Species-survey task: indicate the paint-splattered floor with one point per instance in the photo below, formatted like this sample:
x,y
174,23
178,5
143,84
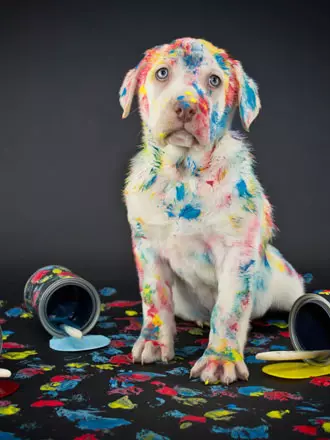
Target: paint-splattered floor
x,y
99,394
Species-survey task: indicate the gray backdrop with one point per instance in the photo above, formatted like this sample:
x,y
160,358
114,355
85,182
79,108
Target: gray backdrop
x,y
64,149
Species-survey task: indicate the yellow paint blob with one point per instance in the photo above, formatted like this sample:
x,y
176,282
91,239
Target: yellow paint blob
x,y
326,427
102,307
131,312
142,90
57,270
185,425
52,386
9,410
219,414
190,401
296,370
47,367
104,366
122,403
277,414
17,355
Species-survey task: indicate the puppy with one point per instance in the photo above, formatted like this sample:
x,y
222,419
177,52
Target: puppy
x,y
201,223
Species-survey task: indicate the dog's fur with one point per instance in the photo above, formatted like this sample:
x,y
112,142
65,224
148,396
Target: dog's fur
x,y
201,223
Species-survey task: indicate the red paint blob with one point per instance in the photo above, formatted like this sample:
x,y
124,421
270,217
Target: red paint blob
x,y
7,387
42,403
122,304
285,334
12,345
305,429
282,396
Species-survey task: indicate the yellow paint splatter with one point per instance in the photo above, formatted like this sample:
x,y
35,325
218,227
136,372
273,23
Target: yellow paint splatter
x,y
122,403
280,324
324,292
17,355
46,367
57,270
104,366
142,90
157,322
27,315
277,414
219,414
257,394
102,307
326,426
77,364
131,312
185,425
196,331
190,401
162,135
9,410
51,386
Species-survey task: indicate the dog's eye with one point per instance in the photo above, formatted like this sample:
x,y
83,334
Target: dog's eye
x,y
214,81
162,74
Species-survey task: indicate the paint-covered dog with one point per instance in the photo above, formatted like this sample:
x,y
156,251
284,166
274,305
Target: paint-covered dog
x,y
201,223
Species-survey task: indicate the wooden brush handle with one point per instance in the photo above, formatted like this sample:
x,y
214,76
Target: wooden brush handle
x,y
291,355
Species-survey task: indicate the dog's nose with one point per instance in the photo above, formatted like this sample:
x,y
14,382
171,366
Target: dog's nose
x,y
184,111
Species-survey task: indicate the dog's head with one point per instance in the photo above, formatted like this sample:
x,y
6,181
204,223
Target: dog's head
x,y
188,91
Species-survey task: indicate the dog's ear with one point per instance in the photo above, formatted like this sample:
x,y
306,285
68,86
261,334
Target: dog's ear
x,y
128,90
248,97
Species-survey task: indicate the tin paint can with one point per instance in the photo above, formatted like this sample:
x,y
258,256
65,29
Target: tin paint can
x,y
309,324
58,296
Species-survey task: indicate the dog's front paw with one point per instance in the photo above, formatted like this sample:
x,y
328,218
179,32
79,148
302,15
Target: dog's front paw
x,y
152,346
225,366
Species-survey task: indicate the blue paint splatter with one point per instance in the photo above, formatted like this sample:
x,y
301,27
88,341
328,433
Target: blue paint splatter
x,y
174,413
253,360
146,434
178,371
242,189
180,191
243,432
187,392
102,423
189,212
8,436
108,291
278,347
124,91
14,312
307,408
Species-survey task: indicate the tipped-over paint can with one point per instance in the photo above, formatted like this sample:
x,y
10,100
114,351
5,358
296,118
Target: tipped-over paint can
x,y
309,324
59,297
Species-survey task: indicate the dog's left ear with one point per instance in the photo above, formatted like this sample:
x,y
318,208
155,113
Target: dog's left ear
x,y
248,97
127,91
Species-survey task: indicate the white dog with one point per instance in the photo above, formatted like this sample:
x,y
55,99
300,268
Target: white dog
x,y
201,223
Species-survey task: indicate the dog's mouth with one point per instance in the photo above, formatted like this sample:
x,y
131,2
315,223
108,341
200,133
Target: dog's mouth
x,y
181,138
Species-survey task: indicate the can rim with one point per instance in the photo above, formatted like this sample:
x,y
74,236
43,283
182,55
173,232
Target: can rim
x,y
88,287
310,298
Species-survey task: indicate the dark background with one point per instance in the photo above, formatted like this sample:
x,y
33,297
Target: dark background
x,y
64,149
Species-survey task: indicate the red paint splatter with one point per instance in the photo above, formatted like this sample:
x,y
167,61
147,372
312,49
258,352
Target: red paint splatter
x,y
134,324
282,396
260,323
285,334
137,377
12,345
210,182
39,275
167,391
305,429
321,381
193,419
126,391
2,321
122,304
121,359
86,437
156,382
62,378
42,403
29,372
118,344
202,341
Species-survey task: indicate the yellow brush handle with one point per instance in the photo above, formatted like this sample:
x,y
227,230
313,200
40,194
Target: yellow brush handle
x,y
291,355
4,372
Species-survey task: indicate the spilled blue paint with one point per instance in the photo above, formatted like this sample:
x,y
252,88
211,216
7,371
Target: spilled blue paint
x,y
244,432
108,291
146,434
247,391
14,312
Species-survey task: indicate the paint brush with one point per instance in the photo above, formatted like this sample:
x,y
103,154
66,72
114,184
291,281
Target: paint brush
x,y
292,355
71,331
4,372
